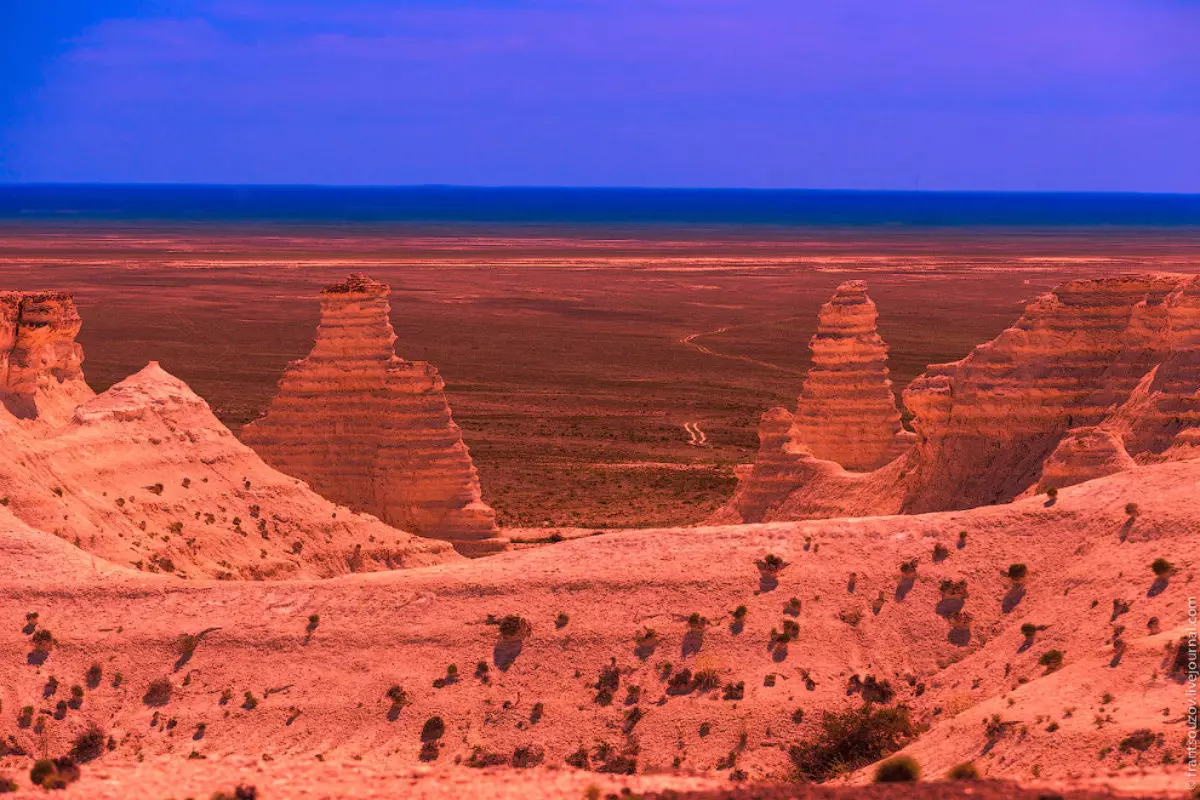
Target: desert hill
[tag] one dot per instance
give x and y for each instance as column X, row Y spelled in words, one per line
column 266, row 679
column 144, row 475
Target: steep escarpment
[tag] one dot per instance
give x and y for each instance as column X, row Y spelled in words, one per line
column 1096, row 376
column 144, row 475
column 41, row 376
column 373, row 431
column 847, row 412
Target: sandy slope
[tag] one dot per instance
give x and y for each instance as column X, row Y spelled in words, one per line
column 144, row 475
column 324, row 693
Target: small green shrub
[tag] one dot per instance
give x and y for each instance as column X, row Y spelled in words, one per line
column 966, row 771
column 901, row 769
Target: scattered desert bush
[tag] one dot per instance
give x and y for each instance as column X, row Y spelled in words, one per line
column 696, row 622
column 1029, row 630
column 398, row 696
column 515, row 627
column 851, row 739
column 249, row 701
column 1016, row 572
column 313, row 621
column 1132, row 509
column 42, row 640
column 1161, row 567
column 158, row 693
column 7, row 784
column 901, row 769
column 186, row 644
column 965, row 771
column 239, row 793
column 607, row 683
column 770, row 564
column 55, row 773
column 798, row 716
column 88, row 745
column 561, row 620
column 707, row 679
column 1141, row 740
column 940, row 552
column 1052, row 493
column 1051, row 660
column 93, row 675
column 739, row 613
column 908, row 568
column 433, row 729
column 734, row 691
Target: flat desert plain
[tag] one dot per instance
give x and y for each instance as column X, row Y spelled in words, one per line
column 603, row 378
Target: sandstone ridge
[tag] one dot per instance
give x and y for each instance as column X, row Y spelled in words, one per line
column 373, row 431
column 1096, row 376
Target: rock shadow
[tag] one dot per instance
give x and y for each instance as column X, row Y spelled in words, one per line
column 903, row 588
column 960, row 637
column 692, row 642
column 1158, row 587
column 767, row 582
column 37, row 657
column 779, row 653
column 505, row 653
column 737, row 626
column 1016, row 593
column 949, row 605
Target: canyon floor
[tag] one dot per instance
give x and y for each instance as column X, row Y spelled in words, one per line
column 602, row 378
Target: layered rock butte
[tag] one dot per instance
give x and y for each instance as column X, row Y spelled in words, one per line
column 373, row 431
column 1105, row 372
column 847, row 412
column 145, row 475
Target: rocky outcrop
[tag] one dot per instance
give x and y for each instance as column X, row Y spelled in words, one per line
column 373, row 431
column 986, row 424
column 1097, row 376
column 1083, row 455
column 847, row 412
column 145, row 475
column 41, row 376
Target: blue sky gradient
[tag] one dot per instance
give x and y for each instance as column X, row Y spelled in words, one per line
column 1087, row 95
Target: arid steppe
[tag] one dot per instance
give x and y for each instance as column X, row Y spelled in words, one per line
column 576, row 360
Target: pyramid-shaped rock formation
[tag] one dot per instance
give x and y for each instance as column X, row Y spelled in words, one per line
column 847, row 412
column 373, row 431
column 41, row 375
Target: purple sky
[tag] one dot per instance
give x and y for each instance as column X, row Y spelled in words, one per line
column 867, row 94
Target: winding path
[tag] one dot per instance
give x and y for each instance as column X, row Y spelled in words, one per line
column 698, row 437
column 690, row 341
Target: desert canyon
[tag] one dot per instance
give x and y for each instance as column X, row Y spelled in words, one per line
column 994, row 569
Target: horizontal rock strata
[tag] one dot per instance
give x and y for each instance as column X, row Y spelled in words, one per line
column 41, row 374
column 373, row 431
column 1097, row 376
column 847, row 412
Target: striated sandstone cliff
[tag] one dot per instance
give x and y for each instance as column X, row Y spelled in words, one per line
column 144, row 475
column 1097, row 376
column 40, row 363
column 847, row 412
column 373, row 431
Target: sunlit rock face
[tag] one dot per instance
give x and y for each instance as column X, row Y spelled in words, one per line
column 373, row 431
column 847, row 412
column 41, row 374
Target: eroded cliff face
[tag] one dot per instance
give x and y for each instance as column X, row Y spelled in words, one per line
column 847, row 412
column 373, row 431
column 1097, row 376
column 41, row 376
column 145, row 475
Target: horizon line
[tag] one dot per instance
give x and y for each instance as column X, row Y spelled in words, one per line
column 553, row 187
